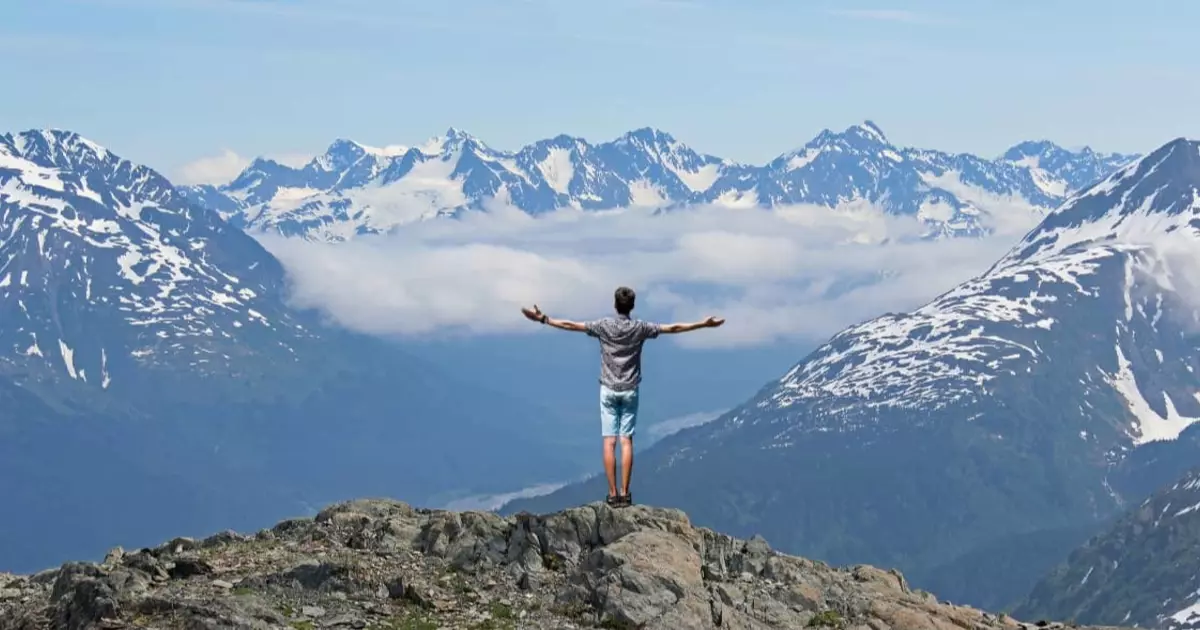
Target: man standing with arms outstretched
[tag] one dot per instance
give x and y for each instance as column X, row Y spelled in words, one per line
column 621, row 338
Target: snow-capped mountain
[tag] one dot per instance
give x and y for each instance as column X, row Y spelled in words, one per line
column 104, row 265
column 148, row 356
column 1142, row 572
column 354, row 189
column 999, row 422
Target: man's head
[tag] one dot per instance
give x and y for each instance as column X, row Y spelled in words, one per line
column 623, row 300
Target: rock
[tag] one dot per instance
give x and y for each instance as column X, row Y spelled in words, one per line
column 640, row 577
column 527, row 582
column 188, row 567
column 381, row 563
column 114, row 556
column 179, row 545
column 82, row 597
column 343, row 621
column 221, row 539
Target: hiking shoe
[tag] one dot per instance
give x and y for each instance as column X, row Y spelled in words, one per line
column 620, row 500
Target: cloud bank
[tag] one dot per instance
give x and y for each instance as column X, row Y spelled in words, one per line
column 801, row 272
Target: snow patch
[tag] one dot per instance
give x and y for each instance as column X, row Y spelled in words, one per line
column 105, row 379
column 643, row 194
column 557, row 169
column 699, row 180
column 68, row 357
column 1148, row 425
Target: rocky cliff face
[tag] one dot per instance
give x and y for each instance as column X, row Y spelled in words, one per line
column 385, row 565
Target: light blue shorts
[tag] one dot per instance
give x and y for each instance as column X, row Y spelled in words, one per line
column 618, row 412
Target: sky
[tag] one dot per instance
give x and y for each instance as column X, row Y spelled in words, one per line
column 171, row 82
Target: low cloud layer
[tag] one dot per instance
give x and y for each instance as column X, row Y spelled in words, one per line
column 799, row 272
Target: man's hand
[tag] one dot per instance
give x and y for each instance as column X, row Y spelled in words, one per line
column 713, row 322
column 534, row 314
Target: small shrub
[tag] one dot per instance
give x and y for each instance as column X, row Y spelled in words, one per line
column 827, row 619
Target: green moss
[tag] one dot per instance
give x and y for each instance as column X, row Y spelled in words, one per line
column 552, row 561
column 501, row 610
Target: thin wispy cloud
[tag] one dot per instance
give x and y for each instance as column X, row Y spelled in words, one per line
column 888, row 15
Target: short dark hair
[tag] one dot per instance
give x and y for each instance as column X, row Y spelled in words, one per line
column 623, row 300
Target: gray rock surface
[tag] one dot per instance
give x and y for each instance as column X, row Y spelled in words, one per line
column 383, row 565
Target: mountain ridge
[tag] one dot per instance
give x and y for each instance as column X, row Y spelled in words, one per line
column 353, row 189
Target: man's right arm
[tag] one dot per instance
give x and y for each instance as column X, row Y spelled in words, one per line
column 711, row 322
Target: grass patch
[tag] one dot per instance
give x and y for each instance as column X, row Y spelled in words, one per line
column 827, row 619
column 415, row 620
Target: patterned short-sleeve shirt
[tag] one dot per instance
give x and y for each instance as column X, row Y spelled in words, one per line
column 621, row 339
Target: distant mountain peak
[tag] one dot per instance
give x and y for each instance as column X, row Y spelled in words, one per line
column 869, row 129
column 650, row 134
column 453, row 140
column 58, row 146
column 952, row 194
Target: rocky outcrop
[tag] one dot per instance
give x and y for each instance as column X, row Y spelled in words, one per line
column 385, row 565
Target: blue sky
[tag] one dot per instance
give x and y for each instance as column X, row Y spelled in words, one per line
column 168, row 81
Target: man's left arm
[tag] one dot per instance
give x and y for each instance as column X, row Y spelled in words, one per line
column 536, row 314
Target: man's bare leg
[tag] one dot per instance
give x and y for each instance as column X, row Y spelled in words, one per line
column 610, row 464
column 626, row 464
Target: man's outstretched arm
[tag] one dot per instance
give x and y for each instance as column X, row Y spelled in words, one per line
column 536, row 314
column 711, row 322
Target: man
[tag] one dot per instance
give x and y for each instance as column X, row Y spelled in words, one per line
column 621, row 338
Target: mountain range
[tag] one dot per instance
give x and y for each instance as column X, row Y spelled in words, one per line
column 1142, row 571
column 1001, row 425
column 353, row 189
column 152, row 370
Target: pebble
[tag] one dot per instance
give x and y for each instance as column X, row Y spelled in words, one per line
column 222, row 584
